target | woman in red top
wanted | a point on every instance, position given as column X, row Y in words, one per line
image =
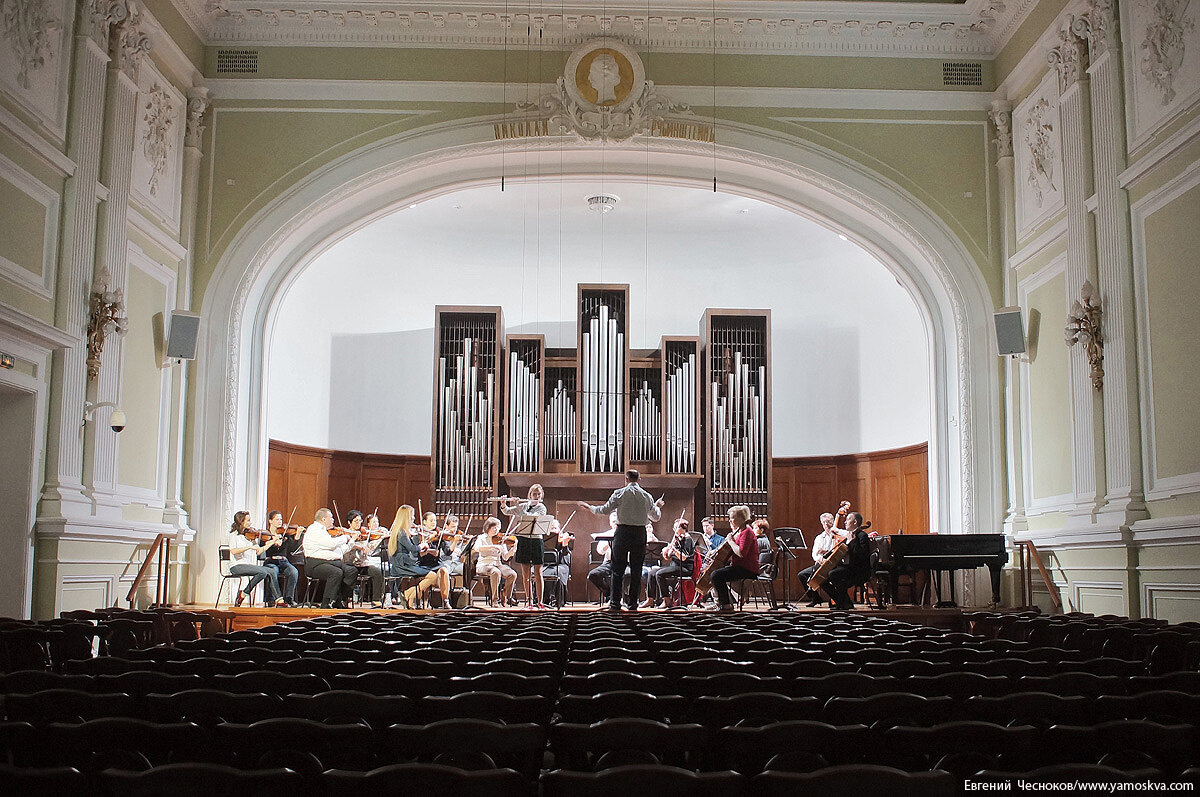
column 744, row 563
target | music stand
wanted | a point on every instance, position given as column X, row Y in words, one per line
column 790, row 539
column 532, row 526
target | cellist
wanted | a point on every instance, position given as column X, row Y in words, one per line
column 855, row 568
column 822, row 546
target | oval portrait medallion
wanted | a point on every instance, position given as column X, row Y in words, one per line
column 604, row 73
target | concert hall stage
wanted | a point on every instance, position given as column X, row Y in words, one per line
column 246, row 617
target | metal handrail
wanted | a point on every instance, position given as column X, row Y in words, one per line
column 1029, row 556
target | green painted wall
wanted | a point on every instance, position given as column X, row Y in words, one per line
column 1049, row 396
column 1172, row 293
column 141, row 385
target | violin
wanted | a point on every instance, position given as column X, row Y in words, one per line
column 257, row 535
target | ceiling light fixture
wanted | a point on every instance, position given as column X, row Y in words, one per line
column 602, row 203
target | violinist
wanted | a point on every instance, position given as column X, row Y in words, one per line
column 430, row 536
column 708, row 546
column 450, row 547
column 244, row 549
column 531, row 551
column 823, row 545
column 855, row 569
column 493, row 553
column 678, row 562
column 277, row 554
column 364, row 547
column 564, row 541
column 324, row 545
column 404, row 548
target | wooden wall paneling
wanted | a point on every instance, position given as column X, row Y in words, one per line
column 307, row 484
column 344, row 473
column 277, row 483
column 914, row 470
column 887, row 496
column 380, row 486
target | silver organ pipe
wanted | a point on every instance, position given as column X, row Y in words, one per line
column 521, row 414
column 645, row 423
column 680, row 423
column 603, row 397
column 560, row 422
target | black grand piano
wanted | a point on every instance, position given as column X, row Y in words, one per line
column 939, row 553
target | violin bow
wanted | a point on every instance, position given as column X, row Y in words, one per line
column 337, row 515
column 297, row 506
column 563, row 527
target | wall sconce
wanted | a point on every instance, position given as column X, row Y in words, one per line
column 106, row 316
column 1083, row 325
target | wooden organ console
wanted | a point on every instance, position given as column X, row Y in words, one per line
column 693, row 415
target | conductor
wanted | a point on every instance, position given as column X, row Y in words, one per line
column 635, row 508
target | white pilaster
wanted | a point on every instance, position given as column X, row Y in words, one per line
column 193, row 152
column 1001, row 116
column 1069, row 58
column 128, row 43
column 62, row 496
column 1122, row 429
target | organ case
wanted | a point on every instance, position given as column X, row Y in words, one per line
column 737, row 395
column 465, row 408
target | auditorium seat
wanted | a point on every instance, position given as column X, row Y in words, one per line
column 578, row 746
column 854, row 780
column 201, row 780
column 661, row 781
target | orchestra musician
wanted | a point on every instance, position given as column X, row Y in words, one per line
column 855, row 569
column 364, row 547
column 708, row 546
column 244, row 550
column 564, row 541
column 822, row 546
column 404, row 549
column 493, row 553
column 635, row 509
column 531, row 551
column 283, row 545
column 744, row 564
column 601, row 575
column 324, row 546
column 450, row 549
column 679, row 561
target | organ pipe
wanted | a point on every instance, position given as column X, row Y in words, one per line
column 603, row 372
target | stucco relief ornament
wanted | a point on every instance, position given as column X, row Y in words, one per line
column 197, row 106
column 1164, row 44
column 603, row 95
column 1001, row 116
column 156, row 141
column 1069, row 57
column 29, row 25
column 1098, row 26
column 129, row 43
column 1038, row 132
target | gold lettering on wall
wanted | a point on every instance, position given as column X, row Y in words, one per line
column 540, row 128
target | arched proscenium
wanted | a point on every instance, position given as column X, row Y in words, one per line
column 273, row 248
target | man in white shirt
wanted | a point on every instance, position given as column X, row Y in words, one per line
column 635, row 509
column 823, row 545
column 323, row 554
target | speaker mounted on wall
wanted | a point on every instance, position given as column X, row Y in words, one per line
column 1010, row 331
column 181, row 340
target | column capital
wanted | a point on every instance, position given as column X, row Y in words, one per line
column 96, row 17
column 1098, row 25
column 1069, row 56
column 128, row 42
column 198, row 103
column 1001, row 116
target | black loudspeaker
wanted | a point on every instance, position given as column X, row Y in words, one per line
column 1010, row 331
column 181, row 341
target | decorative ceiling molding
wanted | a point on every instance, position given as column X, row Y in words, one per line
column 972, row 29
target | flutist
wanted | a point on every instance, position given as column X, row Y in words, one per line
column 635, row 508
column 530, row 550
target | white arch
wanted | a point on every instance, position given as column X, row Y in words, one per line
column 273, row 248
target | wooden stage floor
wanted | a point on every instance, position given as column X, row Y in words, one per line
column 247, row 617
